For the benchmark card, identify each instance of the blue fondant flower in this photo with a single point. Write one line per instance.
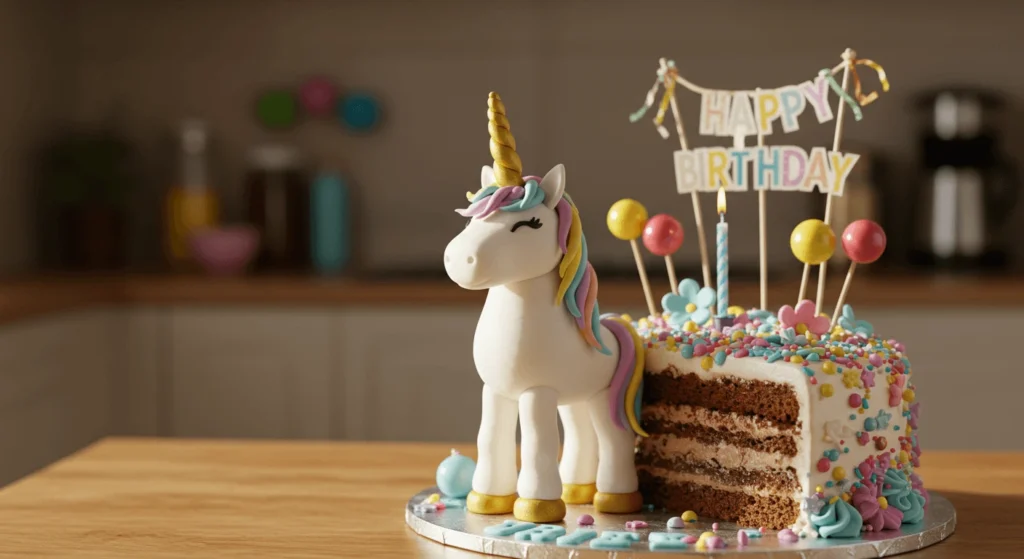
(789, 336)
(692, 303)
(850, 322)
(883, 419)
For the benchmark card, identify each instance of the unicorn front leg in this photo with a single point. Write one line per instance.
(578, 467)
(616, 472)
(540, 487)
(494, 482)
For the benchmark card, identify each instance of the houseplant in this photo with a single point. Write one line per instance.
(87, 177)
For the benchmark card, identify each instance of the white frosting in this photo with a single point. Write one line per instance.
(753, 427)
(727, 455)
(689, 477)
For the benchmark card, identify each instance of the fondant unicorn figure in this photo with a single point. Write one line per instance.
(541, 345)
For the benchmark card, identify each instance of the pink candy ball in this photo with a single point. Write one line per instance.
(585, 520)
(317, 96)
(663, 235)
(864, 241)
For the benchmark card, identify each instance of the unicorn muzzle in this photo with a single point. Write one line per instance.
(462, 263)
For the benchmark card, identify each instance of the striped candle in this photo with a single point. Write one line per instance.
(722, 231)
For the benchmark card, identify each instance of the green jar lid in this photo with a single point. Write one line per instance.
(277, 109)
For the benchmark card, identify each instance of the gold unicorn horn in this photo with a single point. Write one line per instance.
(508, 170)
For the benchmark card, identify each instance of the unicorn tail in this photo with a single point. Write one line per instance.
(627, 383)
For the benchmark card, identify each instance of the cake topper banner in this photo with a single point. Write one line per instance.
(760, 112)
(785, 168)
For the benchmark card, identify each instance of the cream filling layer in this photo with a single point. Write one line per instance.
(726, 455)
(732, 422)
(707, 481)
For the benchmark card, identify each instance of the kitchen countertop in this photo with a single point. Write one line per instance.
(29, 297)
(175, 498)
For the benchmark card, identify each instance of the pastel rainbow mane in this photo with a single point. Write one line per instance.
(578, 286)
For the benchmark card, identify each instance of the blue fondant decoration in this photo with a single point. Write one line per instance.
(580, 536)
(453, 502)
(612, 539)
(455, 475)
(359, 112)
(541, 534)
(659, 541)
(507, 528)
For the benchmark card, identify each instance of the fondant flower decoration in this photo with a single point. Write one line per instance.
(850, 322)
(789, 336)
(867, 378)
(813, 504)
(804, 318)
(883, 419)
(875, 509)
(692, 303)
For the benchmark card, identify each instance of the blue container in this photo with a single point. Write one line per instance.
(331, 223)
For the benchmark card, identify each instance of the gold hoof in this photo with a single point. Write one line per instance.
(539, 510)
(489, 504)
(618, 503)
(578, 493)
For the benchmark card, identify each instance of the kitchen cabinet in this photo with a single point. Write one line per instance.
(251, 373)
(409, 375)
(55, 387)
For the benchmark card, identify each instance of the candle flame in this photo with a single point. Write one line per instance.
(721, 200)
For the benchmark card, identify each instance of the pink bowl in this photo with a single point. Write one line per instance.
(225, 251)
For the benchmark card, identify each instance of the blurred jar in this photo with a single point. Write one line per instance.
(331, 223)
(191, 203)
(277, 202)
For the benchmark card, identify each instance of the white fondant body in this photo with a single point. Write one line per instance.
(533, 360)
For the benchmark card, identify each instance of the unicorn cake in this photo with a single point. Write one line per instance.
(777, 420)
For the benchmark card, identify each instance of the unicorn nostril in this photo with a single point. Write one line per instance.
(470, 260)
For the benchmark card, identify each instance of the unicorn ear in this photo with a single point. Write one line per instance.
(553, 185)
(487, 177)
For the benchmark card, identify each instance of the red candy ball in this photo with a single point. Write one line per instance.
(864, 241)
(663, 235)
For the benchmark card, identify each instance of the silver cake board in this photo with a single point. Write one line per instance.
(456, 527)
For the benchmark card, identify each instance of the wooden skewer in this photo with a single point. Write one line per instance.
(848, 56)
(762, 218)
(803, 283)
(697, 217)
(672, 274)
(643, 277)
(842, 294)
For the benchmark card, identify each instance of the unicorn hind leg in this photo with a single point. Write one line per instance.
(616, 473)
(540, 486)
(578, 467)
(494, 481)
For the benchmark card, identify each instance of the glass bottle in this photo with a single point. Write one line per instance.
(191, 203)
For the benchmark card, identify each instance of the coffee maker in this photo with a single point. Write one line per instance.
(968, 189)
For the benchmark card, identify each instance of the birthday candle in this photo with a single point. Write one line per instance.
(722, 233)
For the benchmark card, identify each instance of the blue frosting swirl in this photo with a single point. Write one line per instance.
(897, 490)
(837, 519)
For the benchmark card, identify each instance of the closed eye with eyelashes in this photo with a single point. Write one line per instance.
(533, 223)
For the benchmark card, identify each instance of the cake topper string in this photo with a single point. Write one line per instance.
(760, 112)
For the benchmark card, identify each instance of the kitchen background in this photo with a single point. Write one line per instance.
(117, 114)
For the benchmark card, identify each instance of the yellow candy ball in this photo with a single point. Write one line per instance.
(736, 310)
(706, 362)
(690, 326)
(826, 390)
(828, 367)
(838, 473)
(908, 395)
(812, 241)
(689, 516)
(626, 219)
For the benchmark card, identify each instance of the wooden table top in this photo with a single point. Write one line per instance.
(25, 298)
(157, 498)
